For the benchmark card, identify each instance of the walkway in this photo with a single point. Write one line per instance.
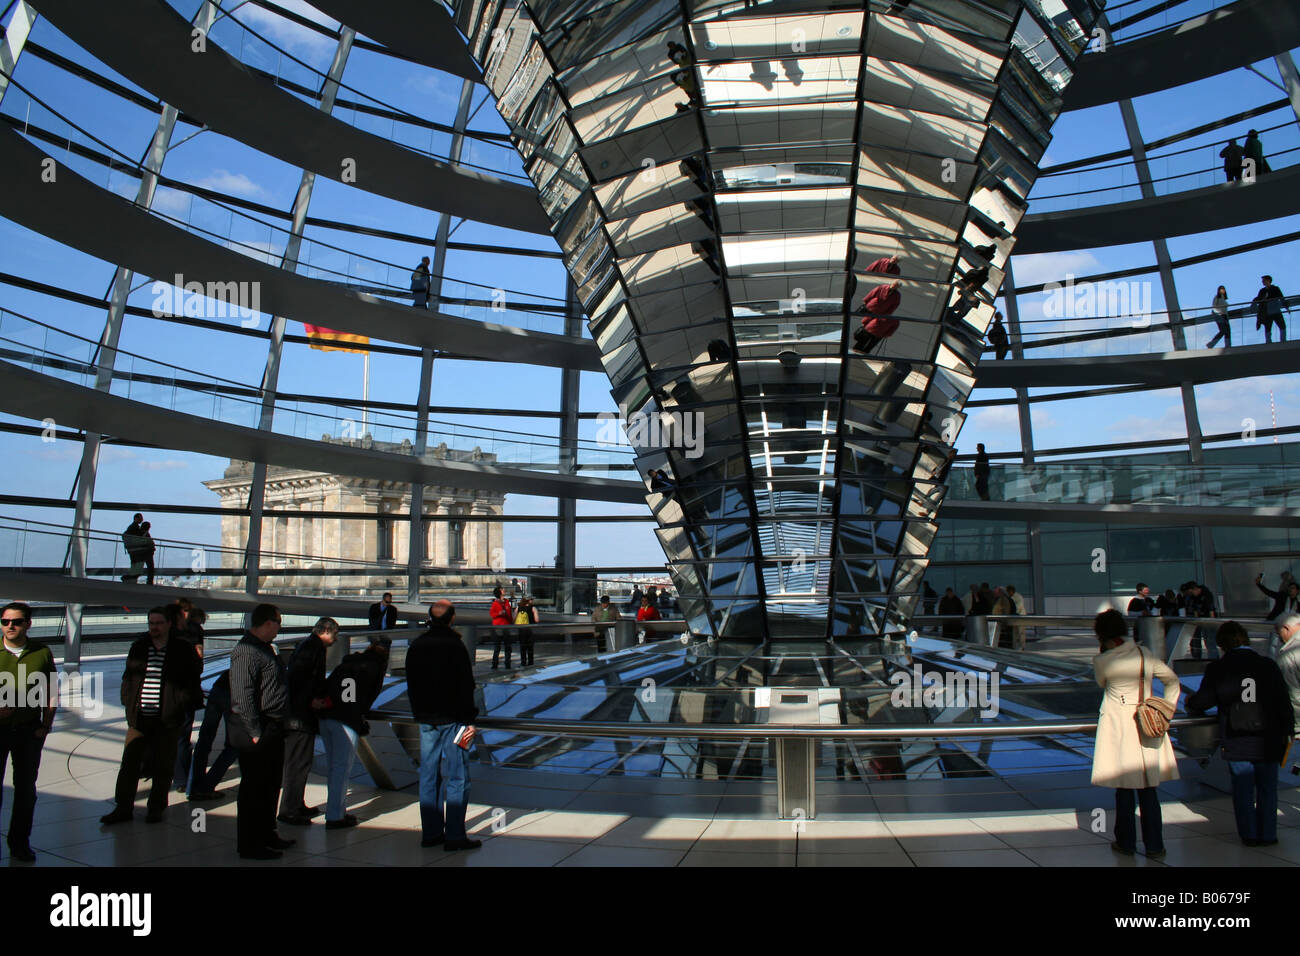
(151, 44)
(1225, 39)
(76, 212)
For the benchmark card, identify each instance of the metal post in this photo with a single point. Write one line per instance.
(1290, 79)
(1151, 635)
(416, 541)
(13, 41)
(623, 634)
(796, 793)
(1025, 415)
(107, 359)
(271, 374)
(567, 508)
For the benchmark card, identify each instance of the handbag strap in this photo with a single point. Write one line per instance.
(1142, 675)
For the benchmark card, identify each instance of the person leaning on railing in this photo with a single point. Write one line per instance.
(646, 614)
(350, 692)
(603, 618)
(525, 616)
(1256, 724)
(1124, 759)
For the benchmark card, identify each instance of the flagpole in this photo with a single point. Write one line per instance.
(365, 391)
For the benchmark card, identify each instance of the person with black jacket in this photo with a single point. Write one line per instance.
(350, 692)
(440, 689)
(259, 705)
(185, 621)
(306, 678)
(1199, 602)
(950, 604)
(160, 691)
(1256, 724)
(383, 615)
(998, 338)
(1169, 604)
(1285, 599)
(1269, 302)
(132, 540)
(982, 472)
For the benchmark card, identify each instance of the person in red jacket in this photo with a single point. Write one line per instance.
(886, 266)
(502, 617)
(878, 323)
(646, 612)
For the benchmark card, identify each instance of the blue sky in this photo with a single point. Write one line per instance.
(213, 161)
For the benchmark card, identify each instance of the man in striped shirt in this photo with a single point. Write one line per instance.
(160, 688)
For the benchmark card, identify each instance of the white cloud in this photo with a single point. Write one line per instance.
(1225, 406)
(436, 87)
(286, 34)
(171, 202)
(129, 456)
(234, 184)
(1054, 266)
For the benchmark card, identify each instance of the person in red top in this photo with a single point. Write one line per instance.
(503, 617)
(887, 266)
(646, 612)
(878, 323)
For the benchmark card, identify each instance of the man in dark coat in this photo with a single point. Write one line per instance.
(949, 604)
(1231, 156)
(440, 688)
(1256, 724)
(306, 678)
(133, 541)
(998, 337)
(383, 616)
(982, 472)
(1285, 598)
(1254, 151)
(160, 691)
(259, 705)
(1269, 303)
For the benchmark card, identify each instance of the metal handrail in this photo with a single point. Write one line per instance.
(579, 728)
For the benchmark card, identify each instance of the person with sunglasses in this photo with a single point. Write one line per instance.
(25, 721)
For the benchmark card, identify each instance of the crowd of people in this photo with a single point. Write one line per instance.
(272, 711)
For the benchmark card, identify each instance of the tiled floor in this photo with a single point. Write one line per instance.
(553, 819)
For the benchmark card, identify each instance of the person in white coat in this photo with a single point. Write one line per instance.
(1127, 761)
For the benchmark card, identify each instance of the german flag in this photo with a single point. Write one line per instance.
(320, 335)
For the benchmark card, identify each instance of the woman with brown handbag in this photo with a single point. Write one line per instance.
(1125, 757)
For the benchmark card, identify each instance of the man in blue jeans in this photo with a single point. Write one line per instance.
(1256, 724)
(440, 688)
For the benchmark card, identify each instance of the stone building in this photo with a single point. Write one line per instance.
(375, 543)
